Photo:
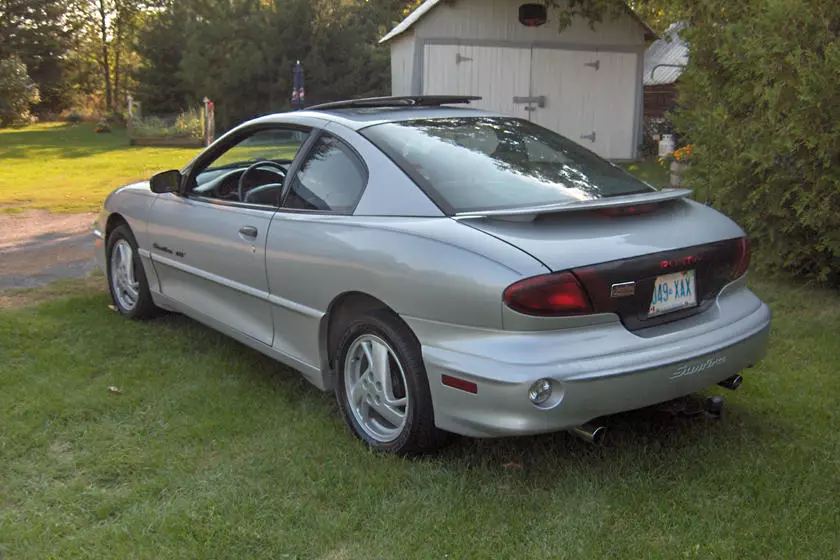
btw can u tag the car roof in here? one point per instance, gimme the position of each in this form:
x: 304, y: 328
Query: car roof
x: 358, y: 118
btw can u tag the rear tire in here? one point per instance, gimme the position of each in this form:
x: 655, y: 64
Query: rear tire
x: 127, y: 281
x: 382, y: 388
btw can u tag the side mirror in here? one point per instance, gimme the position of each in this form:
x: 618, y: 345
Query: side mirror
x: 167, y: 181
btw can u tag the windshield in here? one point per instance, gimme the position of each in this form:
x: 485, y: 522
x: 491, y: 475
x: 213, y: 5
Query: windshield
x: 484, y: 163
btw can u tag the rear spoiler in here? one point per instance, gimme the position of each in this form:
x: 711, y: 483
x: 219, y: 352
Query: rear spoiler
x: 528, y: 213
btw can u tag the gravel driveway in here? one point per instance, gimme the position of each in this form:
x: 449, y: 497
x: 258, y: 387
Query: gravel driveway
x: 37, y: 247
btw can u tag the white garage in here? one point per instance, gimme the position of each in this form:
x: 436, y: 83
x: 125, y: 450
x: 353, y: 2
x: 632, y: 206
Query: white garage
x: 583, y: 82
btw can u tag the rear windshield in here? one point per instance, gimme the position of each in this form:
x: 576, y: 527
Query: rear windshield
x: 485, y: 163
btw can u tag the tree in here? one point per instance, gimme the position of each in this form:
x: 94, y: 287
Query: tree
x: 35, y: 31
x: 105, y: 31
x: 17, y: 92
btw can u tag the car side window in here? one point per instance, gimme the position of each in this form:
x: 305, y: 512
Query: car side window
x: 330, y: 179
x: 253, y: 169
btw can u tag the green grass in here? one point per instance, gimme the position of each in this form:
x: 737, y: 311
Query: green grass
x: 214, y: 451
x: 69, y: 168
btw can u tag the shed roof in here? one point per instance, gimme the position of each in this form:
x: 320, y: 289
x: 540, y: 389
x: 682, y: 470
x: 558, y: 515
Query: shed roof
x: 670, y: 50
x: 429, y: 5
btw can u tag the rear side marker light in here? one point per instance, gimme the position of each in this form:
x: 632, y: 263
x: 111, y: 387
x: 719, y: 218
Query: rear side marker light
x: 457, y: 383
x: 549, y: 295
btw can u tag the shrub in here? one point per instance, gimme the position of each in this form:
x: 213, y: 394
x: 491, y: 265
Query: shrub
x: 115, y: 118
x: 17, y: 92
x: 102, y: 126
x: 188, y: 124
x: 74, y: 116
x: 758, y: 100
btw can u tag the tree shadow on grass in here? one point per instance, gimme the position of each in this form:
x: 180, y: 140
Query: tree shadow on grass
x: 73, y: 141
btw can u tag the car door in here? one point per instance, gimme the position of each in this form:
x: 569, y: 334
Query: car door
x: 304, y: 244
x: 208, y: 244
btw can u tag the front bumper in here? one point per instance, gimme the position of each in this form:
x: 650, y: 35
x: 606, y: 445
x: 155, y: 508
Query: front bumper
x: 594, y: 371
x: 99, y: 247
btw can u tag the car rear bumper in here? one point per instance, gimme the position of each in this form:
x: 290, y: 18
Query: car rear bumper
x: 594, y: 371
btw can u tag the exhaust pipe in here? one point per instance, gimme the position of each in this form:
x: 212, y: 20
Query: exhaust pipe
x: 590, y: 433
x: 732, y: 383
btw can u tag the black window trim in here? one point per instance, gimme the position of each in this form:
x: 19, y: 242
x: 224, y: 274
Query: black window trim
x: 298, y: 163
x: 217, y: 150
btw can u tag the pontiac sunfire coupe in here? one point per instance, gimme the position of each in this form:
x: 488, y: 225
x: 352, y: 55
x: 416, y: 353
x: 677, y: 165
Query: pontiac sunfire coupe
x: 442, y: 269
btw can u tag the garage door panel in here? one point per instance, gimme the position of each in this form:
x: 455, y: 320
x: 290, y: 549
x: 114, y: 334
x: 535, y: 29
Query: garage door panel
x: 615, y: 101
x: 568, y: 86
x: 496, y: 74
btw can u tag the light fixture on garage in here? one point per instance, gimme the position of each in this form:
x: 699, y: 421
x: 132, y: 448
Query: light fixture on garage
x: 533, y: 15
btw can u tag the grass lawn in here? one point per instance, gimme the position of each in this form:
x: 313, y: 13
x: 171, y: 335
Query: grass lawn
x: 67, y: 168
x: 211, y: 450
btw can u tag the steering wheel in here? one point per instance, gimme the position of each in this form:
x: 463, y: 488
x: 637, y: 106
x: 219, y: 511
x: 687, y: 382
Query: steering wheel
x: 261, y: 189
x: 267, y: 163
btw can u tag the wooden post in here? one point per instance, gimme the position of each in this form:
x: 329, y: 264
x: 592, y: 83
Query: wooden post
x: 209, y: 121
x: 129, y: 117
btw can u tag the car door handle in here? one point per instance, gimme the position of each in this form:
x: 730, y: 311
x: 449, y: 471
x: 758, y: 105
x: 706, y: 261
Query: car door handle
x: 248, y: 231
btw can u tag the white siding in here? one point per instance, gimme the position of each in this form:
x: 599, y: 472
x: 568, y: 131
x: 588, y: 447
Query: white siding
x: 402, y: 64
x: 498, y: 20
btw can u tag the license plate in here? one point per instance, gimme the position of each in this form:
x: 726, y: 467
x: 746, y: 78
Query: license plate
x: 673, y: 292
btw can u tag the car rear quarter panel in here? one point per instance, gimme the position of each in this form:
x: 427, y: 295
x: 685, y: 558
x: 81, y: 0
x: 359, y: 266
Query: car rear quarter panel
x: 432, y: 268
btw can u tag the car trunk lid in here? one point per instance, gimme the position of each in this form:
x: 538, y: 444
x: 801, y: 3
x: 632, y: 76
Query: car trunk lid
x: 629, y: 251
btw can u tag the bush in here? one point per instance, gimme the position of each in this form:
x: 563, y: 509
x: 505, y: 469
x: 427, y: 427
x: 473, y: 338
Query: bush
x: 115, y: 118
x: 189, y: 124
x: 102, y: 126
x: 759, y: 101
x: 74, y: 116
x: 17, y: 92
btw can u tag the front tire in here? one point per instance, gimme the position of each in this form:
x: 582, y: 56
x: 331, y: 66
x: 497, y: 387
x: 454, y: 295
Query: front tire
x: 382, y: 389
x: 126, y: 278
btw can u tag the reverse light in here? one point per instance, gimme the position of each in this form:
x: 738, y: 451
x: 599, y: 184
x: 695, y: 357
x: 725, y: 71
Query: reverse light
x: 549, y: 295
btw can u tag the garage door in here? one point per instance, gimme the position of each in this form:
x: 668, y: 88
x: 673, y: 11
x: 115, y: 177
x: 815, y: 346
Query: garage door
x: 496, y: 74
x: 587, y: 96
x: 590, y: 97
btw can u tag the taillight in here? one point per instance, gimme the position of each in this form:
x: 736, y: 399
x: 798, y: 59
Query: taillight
x: 742, y: 257
x: 549, y: 295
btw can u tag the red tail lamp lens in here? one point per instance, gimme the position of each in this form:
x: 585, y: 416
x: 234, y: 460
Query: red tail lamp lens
x: 742, y: 257
x: 549, y: 295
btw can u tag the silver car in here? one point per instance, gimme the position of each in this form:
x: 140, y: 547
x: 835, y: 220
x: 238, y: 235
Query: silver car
x: 442, y: 269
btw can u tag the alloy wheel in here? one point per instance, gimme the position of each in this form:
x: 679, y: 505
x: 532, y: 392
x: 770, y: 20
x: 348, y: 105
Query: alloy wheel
x: 124, y: 285
x: 376, y: 388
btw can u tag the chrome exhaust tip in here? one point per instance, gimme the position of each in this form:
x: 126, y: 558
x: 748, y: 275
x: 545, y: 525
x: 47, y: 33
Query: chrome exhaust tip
x: 732, y: 383
x: 591, y: 433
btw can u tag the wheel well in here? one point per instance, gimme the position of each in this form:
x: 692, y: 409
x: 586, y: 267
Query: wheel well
x: 340, y: 313
x: 114, y: 220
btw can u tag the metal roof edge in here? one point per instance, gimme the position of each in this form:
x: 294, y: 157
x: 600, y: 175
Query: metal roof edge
x: 428, y: 5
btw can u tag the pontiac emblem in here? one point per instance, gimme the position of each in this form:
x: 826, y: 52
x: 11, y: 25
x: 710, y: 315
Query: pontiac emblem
x: 625, y: 289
